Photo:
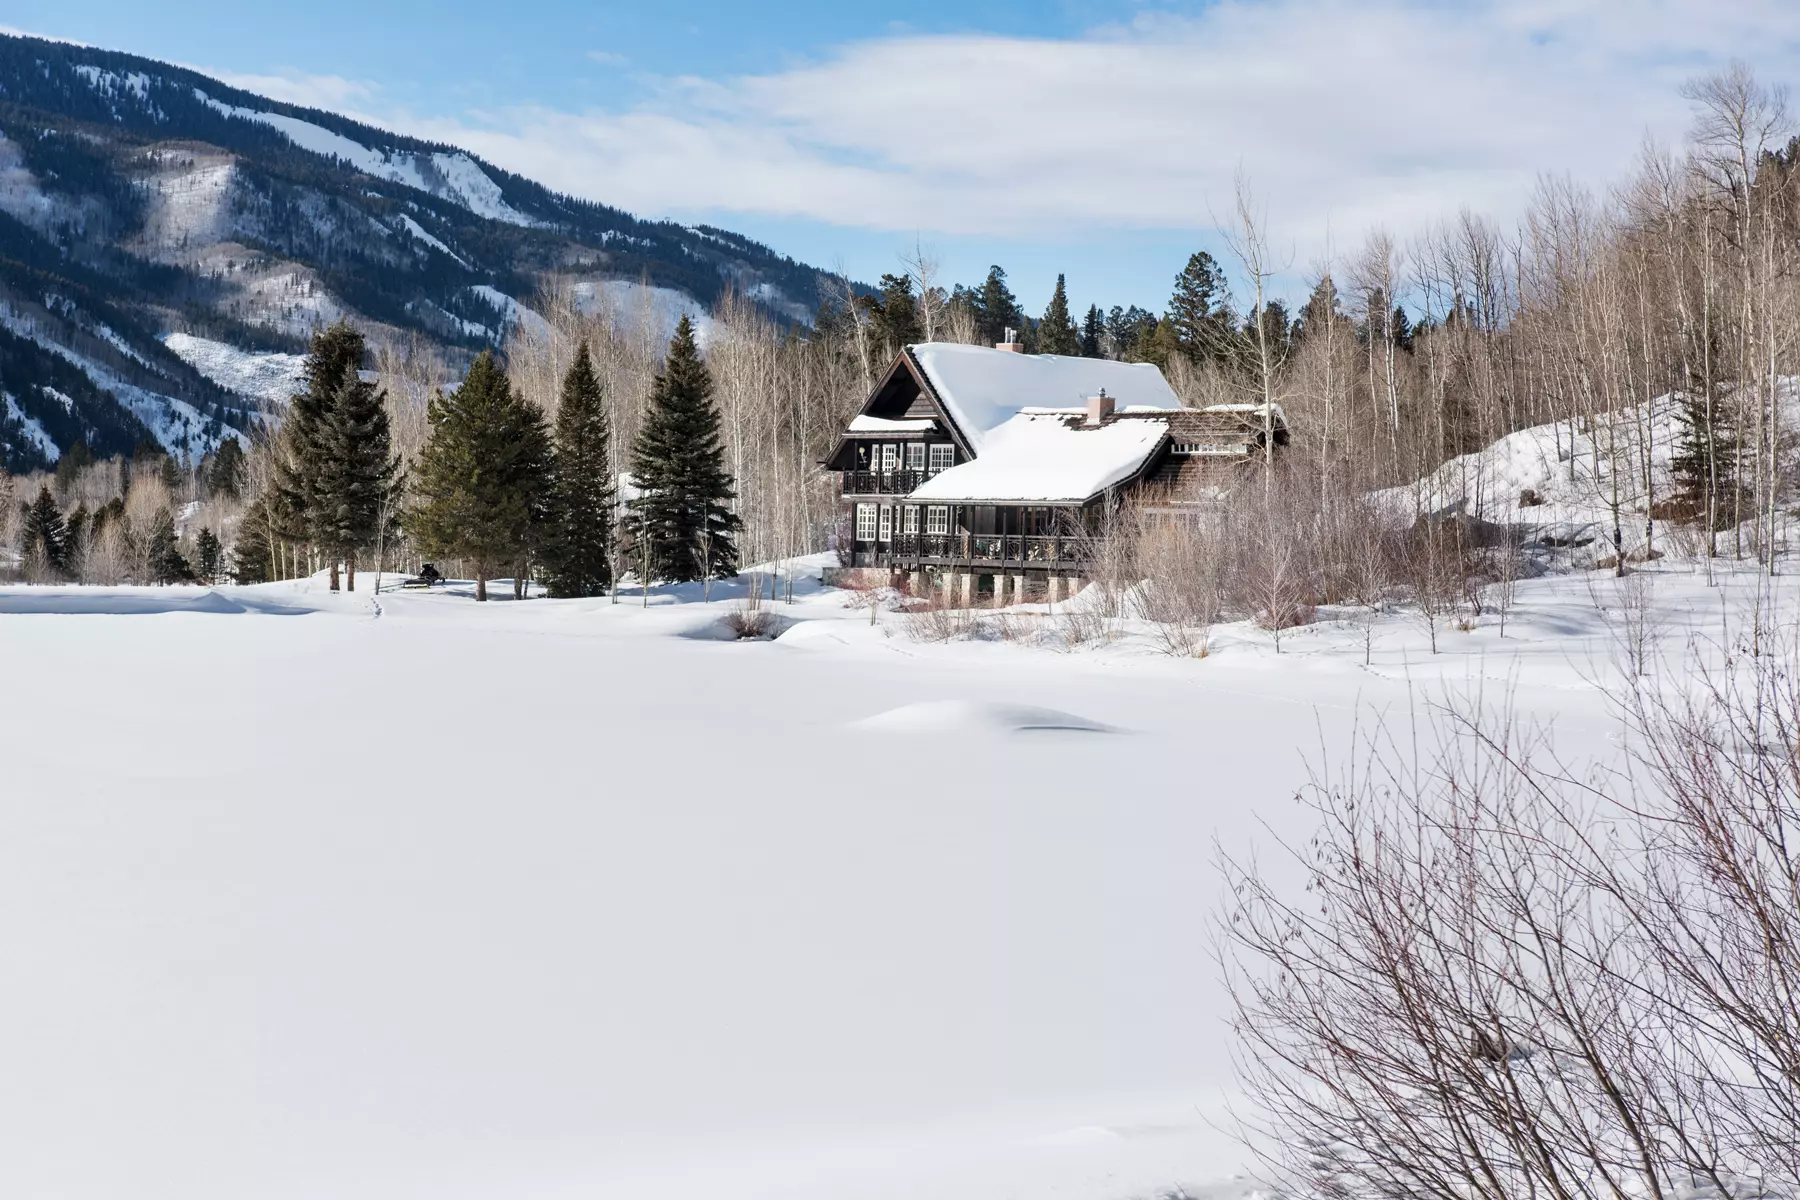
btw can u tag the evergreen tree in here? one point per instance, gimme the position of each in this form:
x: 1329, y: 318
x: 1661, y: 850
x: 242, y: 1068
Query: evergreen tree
x: 1322, y: 306
x: 1704, y: 464
x: 894, y: 314
x: 45, y: 534
x: 77, y: 537
x: 225, y: 475
x: 678, y: 465
x: 996, y: 308
x: 578, y: 537
x: 70, y: 464
x: 167, y: 564
x: 1199, y: 312
x: 355, y: 486
x: 1056, y: 332
x: 209, y: 556
x: 306, y: 440
x: 1093, y: 332
x: 482, y: 474
x: 252, y: 545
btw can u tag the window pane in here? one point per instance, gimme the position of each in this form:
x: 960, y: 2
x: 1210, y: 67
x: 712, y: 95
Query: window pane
x: 943, y: 456
x: 910, y: 522
x: 890, y: 457
x: 915, y: 456
x: 887, y: 523
x: 865, y: 522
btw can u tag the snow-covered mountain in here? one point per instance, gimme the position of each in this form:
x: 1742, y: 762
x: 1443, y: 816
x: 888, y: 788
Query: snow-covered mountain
x: 140, y: 200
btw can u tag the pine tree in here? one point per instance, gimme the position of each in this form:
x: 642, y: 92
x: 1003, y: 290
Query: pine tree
x: 1322, y: 307
x: 996, y: 309
x: 678, y: 466
x: 1056, y: 332
x: 167, y: 564
x: 225, y: 476
x: 209, y: 556
x: 1199, y: 314
x: 1093, y: 332
x: 355, y: 486
x: 894, y: 314
x: 578, y: 537
x: 482, y: 474
x: 1704, y: 465
x: 252, y: 545
x: 45, y: 535
x: 305, y: 446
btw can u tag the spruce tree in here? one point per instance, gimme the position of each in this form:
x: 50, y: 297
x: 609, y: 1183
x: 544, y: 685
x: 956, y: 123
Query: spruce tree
x: 305, y: 446
x: 252, y: 544
x: 481, y: 477
x: 1093, y: 333
x: 1199, y: 315
x: 225, y: 476
x: 1704, y: 464
x: 355, y: 486
x: 167, y: 564
x: 678, y: 464
x: 996, y: 309
x: 1056, y: 332
x: 209, y: 556
x: 577, y: 547
x: 45, y: 535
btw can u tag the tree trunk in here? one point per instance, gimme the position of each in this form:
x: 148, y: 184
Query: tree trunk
x: 350, y: 573
x: 334, y: 574
x: 481, y: 584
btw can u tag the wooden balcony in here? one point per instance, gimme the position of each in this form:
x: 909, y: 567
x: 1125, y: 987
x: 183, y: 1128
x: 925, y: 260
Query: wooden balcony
x: 883, y: 483
x: 988, y: 552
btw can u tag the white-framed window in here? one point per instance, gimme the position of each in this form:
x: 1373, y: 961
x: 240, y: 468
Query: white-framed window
x: 887, y: 522
x: 890, y: 457
x: 937, y: 518
x: 1226, y: 449
x: 915, y: 456
x: 909, y: 519
x: 865, y: 522
x: 943, y: 457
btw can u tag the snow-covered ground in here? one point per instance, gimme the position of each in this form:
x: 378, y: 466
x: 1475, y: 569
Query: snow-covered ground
x: 369, y: 898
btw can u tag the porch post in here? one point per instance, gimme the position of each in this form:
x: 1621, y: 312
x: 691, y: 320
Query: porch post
x: 999, y: 589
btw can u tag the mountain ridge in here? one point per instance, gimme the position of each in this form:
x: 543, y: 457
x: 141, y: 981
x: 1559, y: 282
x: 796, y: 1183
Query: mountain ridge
x: 139, y: 199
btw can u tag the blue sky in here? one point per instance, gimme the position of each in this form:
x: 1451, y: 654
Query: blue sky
x: 1101, y: 139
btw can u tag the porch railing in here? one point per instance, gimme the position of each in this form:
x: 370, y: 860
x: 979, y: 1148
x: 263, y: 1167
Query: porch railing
x: 882, y: 483
x: 1001, y: 549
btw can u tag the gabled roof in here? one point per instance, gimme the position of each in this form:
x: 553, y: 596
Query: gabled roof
x: 981, y: 388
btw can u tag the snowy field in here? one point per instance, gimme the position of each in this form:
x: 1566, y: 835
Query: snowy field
x: 310, y: 896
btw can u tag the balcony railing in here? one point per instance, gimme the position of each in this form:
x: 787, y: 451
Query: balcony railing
x: 883, y: 483
x: 1023, y: 550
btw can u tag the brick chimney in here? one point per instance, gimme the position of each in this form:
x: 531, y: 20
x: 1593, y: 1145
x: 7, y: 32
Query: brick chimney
x: 1099, y: 408
x: 1011, y: 343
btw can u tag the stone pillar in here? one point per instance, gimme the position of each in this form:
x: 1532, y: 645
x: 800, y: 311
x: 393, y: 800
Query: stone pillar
x: 1055, y: 587
x: 999, y: 590
x: 1018, y: 589
x: 965, y: 586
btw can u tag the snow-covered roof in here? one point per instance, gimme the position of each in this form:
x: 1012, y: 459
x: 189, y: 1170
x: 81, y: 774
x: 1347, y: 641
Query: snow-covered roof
x: 1256, y: 410
x: 1048, y: 458
x: 868, y: 424
x: 984, y: 389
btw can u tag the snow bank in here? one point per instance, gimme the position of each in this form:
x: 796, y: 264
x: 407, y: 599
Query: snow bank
x: 984, y: 388
x: 35, y: 433
x: 971, y: 716
x: 1048, y: 458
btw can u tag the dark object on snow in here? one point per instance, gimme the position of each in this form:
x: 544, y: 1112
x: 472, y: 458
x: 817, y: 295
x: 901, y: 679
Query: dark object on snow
x: 427, y: 576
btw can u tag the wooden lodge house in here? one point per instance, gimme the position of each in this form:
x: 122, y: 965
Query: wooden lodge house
x: 968, y: 464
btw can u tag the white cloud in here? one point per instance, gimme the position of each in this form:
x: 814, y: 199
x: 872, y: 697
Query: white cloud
x: 608, y: 58
x: 331, y: 92
x: 1358, y: 112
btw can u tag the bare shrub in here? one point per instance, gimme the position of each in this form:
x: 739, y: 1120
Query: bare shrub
x: 1183, y: 592
x: 1501, y: 975
x: 940, y: 620
x: 749, y: 618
